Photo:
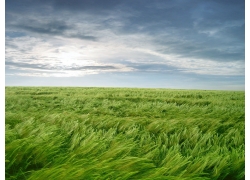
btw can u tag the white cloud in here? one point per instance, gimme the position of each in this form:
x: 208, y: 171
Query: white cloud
x: 62, y: 54
x: 100, y: 41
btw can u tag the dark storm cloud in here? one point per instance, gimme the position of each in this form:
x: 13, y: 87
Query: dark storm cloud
x: 161, y: 13
x: 195, y: 29
x: 57, y: 5
x: 213, y: 30
x: 14, y: 34
x: 151, y: 17
x: 209, y: 49
x: 82, y: 36
x: 53, y: 27
x: 88, y: 5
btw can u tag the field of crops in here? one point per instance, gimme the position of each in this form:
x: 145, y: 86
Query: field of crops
x: 64, y: 133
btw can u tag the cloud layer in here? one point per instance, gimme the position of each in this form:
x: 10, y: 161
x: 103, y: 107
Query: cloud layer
x: 76, y: 38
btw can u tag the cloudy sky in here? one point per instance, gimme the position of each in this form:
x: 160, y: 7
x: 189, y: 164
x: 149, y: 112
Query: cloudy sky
x: 187, y: 44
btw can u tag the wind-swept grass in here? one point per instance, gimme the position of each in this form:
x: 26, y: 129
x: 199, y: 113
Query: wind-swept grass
x: 118, y: 133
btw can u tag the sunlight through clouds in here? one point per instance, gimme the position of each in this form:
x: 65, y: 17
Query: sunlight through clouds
x: 204, y: 38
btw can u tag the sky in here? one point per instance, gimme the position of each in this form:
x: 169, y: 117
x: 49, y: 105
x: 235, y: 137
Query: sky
x: 178, y: 44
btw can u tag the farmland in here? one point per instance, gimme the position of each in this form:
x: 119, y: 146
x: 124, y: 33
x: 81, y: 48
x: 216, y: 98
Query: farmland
x: 124, y: 133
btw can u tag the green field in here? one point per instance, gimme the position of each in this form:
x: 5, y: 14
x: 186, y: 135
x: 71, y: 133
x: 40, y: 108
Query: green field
x: 64, y: 133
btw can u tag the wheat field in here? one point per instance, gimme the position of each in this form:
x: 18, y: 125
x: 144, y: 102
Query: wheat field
x: 70, y: 133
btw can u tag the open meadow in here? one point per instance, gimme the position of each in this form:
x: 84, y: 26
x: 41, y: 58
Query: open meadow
x: 71, y: 133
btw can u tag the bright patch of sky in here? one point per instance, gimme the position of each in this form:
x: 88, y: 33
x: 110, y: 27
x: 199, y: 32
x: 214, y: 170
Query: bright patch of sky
x: 124, y: 43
